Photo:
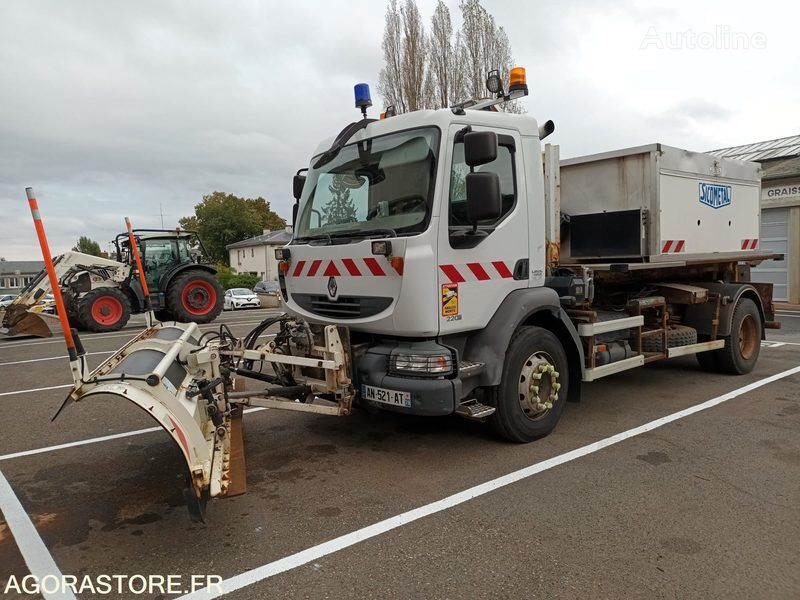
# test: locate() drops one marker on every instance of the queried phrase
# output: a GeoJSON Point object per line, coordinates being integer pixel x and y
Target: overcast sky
{"type": "Point", "coordinates": [115, 108]}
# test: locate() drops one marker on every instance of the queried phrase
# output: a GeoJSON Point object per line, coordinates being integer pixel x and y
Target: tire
{"type": "Point", "coordinates": [163, 315]}
{"type": "Point", "coordinates": [677, 335]}
{"type": "Point", "coordinates": [72, 311]}
{"type": "Point", "coordinates": [742, 347]}
{"type": "Point", "coordinates": [195, 296]}
{"type": "Point", "coordinates": [708, 361]}
{"type": "Point", "coordinates": [104, 309]}
{"type": "Point", "coordinates": [530, 348]}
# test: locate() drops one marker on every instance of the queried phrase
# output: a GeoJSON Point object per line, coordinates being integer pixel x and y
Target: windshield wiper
{"type": "Point", "coordinates": [385, 231]}
{"type": "Point", "coordinates": [313, 238]}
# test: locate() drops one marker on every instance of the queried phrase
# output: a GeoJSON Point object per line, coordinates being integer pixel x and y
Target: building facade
{"type": "Point", "coordinates": [256, 255]}
{"type": "Point", "coordinates": [16, 274]}
{"type": "Point", "coordinates": [780, 211]}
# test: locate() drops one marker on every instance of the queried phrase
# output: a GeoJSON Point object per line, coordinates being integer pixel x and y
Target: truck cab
{"type": "Point", "coordinates": [434, 238]}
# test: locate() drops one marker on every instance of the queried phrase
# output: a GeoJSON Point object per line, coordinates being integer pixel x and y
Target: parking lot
{"type": "Point", "coordinates": [663, 482]}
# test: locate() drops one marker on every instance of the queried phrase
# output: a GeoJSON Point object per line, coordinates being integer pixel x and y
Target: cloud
{"type": "Point", "coordinates": [133, 108]}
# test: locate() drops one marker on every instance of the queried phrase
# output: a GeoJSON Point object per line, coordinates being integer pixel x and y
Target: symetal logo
{"type": "Point", "coordinates": [714, 195]}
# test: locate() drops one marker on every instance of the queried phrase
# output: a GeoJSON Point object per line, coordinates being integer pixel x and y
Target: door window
{"type": "Point", "coordinates": [503, 165]}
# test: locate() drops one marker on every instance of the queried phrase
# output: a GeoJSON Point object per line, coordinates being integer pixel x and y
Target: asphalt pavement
{"type": "Point", "coordinates": [664, 482]}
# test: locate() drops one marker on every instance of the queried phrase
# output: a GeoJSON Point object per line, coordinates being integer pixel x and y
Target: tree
{"type": "Point", "coordinates": [442, 59]}
{"type": "Point", "coordinates": [402, 81]}
{"type": "Point", "coordinates": [222, 219]}
{"type": "Point", "coordinates": [482, 46]}
{"type": "Point", "coordinates": [444, 67]}
{"type": "Point", "coordinates": [340, 208]}
{"type": "Point", "coordinates": [88, 246]}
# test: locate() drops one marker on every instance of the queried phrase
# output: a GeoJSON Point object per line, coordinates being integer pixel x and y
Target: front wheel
{"type": "Point", "coordinates": [103, 309]}
{"type": "Point", "coordinates": [533, 390]}
{"type": "Point", "coordinates": [195, 296]}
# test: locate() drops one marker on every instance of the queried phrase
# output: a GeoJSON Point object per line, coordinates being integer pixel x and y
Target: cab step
{"type": "Point", "coordinates": [472, 409]}
{"type": "Point", "coordinates": [470, 368]}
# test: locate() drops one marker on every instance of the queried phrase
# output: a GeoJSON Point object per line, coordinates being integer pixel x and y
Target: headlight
{"type": "Point", "coordinates": [421, 364]}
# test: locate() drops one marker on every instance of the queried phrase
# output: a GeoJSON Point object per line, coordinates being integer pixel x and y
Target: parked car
{"type": "Point", "coordinates": [270, 288]}
{"type": "Point", "coordinates": [240, 298]}
{"type": "Point", "coordinates": [46, 305]}
{"type": "Point", "coordinates": [6, 299]}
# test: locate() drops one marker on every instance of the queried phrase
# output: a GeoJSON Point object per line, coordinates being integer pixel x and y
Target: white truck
{"type": "Point", "coordinates": [444, 262]}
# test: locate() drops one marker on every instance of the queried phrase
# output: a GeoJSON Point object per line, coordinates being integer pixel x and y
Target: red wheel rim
{"type": "Point", "coordinates": [199, 297]}
{"type": "Point", "coordinates": [107, 310]}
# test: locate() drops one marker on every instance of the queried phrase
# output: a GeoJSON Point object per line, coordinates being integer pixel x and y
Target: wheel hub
{"type": "Point", "coordinates": [538, 385]}
{"type": "Point", "coordinates": [197, 297]}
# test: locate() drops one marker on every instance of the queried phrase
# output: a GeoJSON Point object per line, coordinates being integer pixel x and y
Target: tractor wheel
{"type": "Point", "coordinates": [195, 296]}
{"type": "Point", "coordinates": [105, 309]}
{"type": "Point", "coordinates": [72, 305]}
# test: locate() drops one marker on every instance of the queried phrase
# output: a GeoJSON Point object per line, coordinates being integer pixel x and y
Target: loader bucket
{"type": "Point", "coordinates": [18, 321]}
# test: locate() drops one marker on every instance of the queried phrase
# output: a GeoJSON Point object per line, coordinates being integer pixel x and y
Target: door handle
{"type": "Point", "coordinates": [521, 269]}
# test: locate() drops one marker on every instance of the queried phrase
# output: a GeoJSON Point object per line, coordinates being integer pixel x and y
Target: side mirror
{"type": "Point", "coordinates": [298, 181]}
{"type": "Point", "coordinates": [294, 210]}
{"type": "Point", "coordinates": [480, 147]}
{"type": "Point", "coordinates": [483, 197]}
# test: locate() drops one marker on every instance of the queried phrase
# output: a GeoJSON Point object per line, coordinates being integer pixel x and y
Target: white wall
{"type": "Point", "coordinates": [255, 259]}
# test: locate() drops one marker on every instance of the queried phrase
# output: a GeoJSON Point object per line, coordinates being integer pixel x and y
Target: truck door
{"type": "Point", "coordinates": [477, 271]}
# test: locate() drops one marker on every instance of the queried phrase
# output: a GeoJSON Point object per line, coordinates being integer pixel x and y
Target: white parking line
{"type": "Point", "coordinates": [97, 440]}
{"type": "Point", "coordinates": [32, 360]}
{"type": "Point", "coordinates": [36, 555]}
{"type": "Point", "coordinates": [340, 543]}
{"type": "Point", "coordinates": [41, 389]}
{"type": "Point", "coordinates": [786, 314]}
{"type": "Point", "coordinates": [60, 340]}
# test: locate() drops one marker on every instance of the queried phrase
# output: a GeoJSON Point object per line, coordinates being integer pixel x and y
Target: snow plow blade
{"type": "Point", "coordinates": [17, 320]}
{"type": "Point", "coordinates": [158, 372]}
{"type": "Point", "coordinates": [192, 383]}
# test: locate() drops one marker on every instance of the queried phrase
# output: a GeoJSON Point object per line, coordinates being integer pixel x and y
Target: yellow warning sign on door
{"type": "Point", "coordinates": [449, 299]}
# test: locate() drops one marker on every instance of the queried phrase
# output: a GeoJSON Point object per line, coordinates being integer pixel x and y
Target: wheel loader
{"type": "Point", "coordinates": [100, 294]}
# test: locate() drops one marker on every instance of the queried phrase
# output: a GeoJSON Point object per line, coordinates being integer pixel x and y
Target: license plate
{"type": "Point", "coordinates": [384, 396]}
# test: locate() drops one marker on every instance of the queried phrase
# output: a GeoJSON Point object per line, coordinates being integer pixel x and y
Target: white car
{"type": "Point", "coordinates": [240, 298]}
{"type": "Point", "coordinates": [6, 299]}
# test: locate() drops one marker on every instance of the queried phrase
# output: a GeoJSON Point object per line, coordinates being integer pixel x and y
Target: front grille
{"type": "Point", "coordinates": [344, 307]}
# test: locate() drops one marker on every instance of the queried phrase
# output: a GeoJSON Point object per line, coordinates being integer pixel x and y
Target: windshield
{"type": "Point", "coordinates": [380, 185]}
{"type": "Point", "coordinates": [240, 292]}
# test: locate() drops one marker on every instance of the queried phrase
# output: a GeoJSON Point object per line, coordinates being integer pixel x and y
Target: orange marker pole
{"type": "Point", "coordinates": [51, 274]}
{"type": "Point", "coordinates": [142, 279]}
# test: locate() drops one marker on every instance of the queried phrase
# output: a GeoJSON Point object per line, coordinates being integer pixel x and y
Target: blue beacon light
{"type": "Point", "coordinates": [363, 101]}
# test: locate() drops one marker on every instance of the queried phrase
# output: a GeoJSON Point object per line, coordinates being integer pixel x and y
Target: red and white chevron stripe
{"type": "Point", "coordinates": [750, 244]}
{"type": "Point", "coordinates": [483, 271]}
{"type": "Point", "coordinates": [672, 246]}
{"type": "Point", "coordinates": [343, 267]}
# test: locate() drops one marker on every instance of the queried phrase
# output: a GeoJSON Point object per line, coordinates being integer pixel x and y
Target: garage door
{"type": "Point", "coordinates": [775, 238]}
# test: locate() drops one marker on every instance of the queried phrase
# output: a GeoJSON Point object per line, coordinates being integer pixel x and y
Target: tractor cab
{"type": "Point", "coordinates": [168, 255]}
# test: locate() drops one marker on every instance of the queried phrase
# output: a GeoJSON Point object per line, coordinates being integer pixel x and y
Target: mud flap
{"type": "Point", "coordinates": [18, 321]}
{"type": "Point", "coordinates": [237, 470]}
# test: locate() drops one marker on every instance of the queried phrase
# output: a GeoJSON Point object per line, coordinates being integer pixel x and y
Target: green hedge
{"type": "Point", "coordinates": [231, 279]}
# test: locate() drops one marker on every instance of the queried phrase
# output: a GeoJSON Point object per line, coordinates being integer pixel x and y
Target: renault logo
{"type": "Point", "coordinates": [332, 288]}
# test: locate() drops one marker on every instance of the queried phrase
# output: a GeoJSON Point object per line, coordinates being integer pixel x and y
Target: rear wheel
{"type": "Point", "coordinates": [105, 309]}
{"type": "Point", "coordinates": [195, 296]}
{"type": "Point", "coordinates": [742, 346]}
{"type": "Point", "coordinates": [533, 390]}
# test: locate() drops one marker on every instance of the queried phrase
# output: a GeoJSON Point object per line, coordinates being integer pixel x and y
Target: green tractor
{"type": "Point", "coordinates": [100, 294]}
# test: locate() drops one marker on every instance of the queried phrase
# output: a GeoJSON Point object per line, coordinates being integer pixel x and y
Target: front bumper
{"type": "Point", "coordinates": [430, 396]}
